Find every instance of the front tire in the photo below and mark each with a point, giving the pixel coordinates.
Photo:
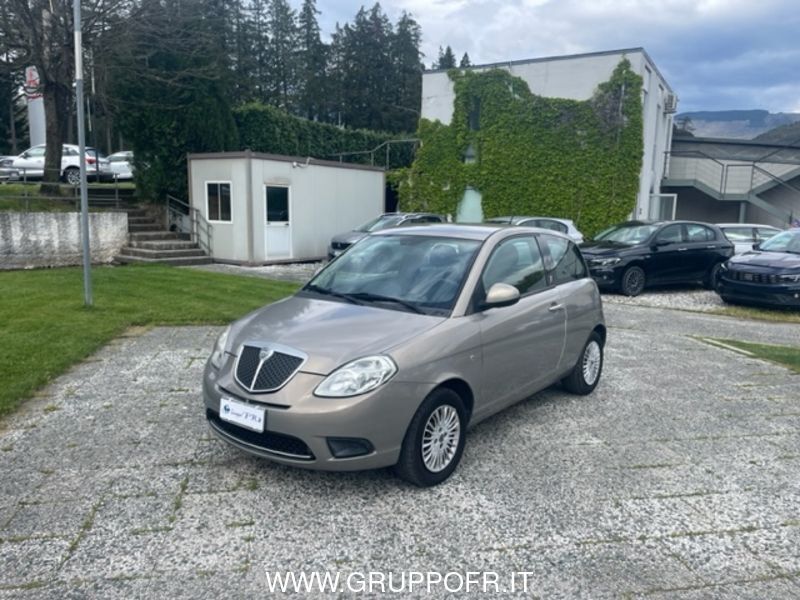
(585, 375)
(711, 282)
(434, 441)
(633, 280)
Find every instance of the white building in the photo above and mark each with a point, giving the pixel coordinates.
(263, 208)
(576, 77)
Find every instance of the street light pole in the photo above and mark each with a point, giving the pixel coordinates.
(87, 259)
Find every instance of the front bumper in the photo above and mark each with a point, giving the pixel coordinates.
(299, 424)
(777, 295)
(606, 277)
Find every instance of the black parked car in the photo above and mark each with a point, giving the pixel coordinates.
(636, 254)
(768, 275)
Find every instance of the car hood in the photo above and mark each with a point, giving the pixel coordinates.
(774, 260)
(330, 332)
(605, 248)
(350, 237)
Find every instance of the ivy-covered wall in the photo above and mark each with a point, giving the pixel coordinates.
(533, 155)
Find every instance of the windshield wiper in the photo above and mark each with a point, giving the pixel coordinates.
(369, 297)
(326, 292)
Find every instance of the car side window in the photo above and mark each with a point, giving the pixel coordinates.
(550, 224)
(564, 260)
(671, 234)
(36, 152)
(516, 261)
(739, 234)
(699, 233)
(763, 233)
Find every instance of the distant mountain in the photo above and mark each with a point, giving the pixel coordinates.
(738, 124)
(785, 134)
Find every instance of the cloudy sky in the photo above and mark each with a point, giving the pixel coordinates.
(716, 54)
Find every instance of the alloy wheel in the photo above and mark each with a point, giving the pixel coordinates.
(440, 438)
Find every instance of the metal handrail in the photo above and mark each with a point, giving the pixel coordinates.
(200, 231)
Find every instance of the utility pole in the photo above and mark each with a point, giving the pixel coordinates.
(87, 258)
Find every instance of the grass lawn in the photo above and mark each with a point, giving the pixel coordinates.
(788, 356)
(761, 314)
(45, 328)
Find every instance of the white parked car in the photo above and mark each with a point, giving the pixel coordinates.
(30, 164)
(744, 235)
(121, 164)
(565, 226)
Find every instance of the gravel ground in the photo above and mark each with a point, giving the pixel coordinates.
(696, 299)
(677, 478)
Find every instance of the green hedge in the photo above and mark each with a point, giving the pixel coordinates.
(268, 129)
(538, 156)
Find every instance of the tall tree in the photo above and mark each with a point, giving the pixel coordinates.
(312, 62)
(407, 78)
(447, 60)
(282, 53)
(464, 61)
(172, 88)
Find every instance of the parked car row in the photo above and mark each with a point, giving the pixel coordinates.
(631, 256)
(29, 166)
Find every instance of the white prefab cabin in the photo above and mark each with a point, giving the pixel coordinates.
(265, 208)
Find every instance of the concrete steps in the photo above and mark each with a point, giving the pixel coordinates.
(148, 243)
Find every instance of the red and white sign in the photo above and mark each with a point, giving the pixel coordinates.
(32, 85)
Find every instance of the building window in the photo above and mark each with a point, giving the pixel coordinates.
(277, 204)
(475, 114)
(219, 201)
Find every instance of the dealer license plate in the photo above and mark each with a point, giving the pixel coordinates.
(244, 415)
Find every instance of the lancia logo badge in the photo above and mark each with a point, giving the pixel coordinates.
(265, 353)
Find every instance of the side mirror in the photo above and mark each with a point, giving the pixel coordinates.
(501, 294)
(25, 155)
(757, 246)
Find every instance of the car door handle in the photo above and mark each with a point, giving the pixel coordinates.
(711, 247)
(682, 249)
(555, 307)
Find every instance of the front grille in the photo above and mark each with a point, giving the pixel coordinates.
(750, 277)
(269, 441)
(260, 375)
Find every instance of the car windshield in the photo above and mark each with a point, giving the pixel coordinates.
(627, 233)
(788, 241)
(412, 273)
(382, 222)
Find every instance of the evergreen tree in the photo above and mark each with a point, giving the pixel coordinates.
(447, 60)
(312, 59)
(172, 87)
(282, 53)
(464, 62)
(407, 81)
(258, 27)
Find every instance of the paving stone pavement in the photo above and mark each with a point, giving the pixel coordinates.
(677, 478)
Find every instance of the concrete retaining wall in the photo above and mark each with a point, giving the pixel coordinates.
(54, 239)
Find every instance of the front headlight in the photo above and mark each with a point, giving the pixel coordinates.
(604, 262)
(357, 377)
(219, 348)
(791, 278)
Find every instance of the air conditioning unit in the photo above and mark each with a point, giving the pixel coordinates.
(671, 104)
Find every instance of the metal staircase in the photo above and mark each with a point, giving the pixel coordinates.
(733, 181)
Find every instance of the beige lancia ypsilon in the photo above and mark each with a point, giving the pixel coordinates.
(394, 349)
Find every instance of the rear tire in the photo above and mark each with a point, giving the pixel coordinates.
(633, 280)
(586, 373)
(72, 176)
(434, 441)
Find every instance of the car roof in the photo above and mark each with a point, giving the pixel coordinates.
(748, 225)
(411, 214)
(468, 231)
